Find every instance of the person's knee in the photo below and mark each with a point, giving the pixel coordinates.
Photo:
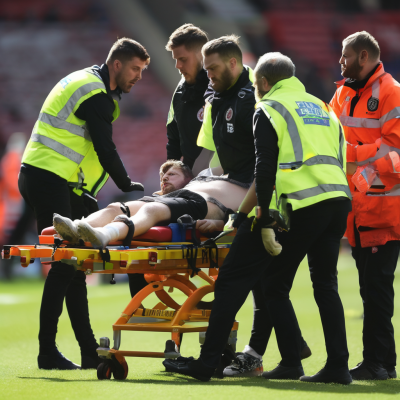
(114, 208)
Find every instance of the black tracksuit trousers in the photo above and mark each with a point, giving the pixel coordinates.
(316, 232)
(376, 276)
(63, 281)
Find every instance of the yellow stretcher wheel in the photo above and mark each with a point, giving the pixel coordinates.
(104, 370)
(119, 367)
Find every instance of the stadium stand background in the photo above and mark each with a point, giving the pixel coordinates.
(42, 41)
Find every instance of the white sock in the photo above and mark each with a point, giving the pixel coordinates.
(252, 352)
(110, 232)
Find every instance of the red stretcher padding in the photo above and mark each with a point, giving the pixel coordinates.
(154, 234)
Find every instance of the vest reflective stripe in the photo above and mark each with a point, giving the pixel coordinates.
(319, 160)
(392, 114)
(58, 147)
(316, 190)
(383, 150)
(376, 89)
(291, 125)
(360, 122)
(80, 92)
(56, 122)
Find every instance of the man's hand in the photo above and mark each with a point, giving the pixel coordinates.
(270, 244)
(351, 168)
(209, 225)
(133, 187)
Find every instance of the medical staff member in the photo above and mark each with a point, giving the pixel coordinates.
(185, 116)
(367, 102)
(67, 161)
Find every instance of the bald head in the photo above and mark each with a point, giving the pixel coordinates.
(270, 69)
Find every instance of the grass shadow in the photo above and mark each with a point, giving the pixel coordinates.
(357, 387)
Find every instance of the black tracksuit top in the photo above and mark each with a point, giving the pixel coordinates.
(188, 105)
(232, 119)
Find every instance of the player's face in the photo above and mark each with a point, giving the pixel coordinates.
(219, 72)
(128, 73)
(188, 62)
(172, 180)
(350, 63)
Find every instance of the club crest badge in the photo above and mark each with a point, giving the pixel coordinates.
(229, 114)
(200, 114)
(373, 104)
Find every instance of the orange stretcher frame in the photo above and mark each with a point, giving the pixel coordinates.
(165, 265)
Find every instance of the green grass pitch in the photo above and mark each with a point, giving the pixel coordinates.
(21, 379)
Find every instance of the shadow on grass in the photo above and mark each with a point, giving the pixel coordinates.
(386, 387)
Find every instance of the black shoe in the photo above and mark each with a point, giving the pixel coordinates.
(170, 364)
(281, 372)
(90, 362)
(244, 365)
(368, 371)
(392, 374)
(55, 360)
(305, 350)
(339, 375)
(190, 367)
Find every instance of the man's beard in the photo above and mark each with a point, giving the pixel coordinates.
(192, 79)
(259, 94)
(168, 189)
(123, 84)
(224, 81)
(353, 71)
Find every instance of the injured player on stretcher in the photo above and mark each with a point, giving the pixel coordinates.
(207, 199)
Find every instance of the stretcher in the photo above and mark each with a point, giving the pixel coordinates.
(168, 257)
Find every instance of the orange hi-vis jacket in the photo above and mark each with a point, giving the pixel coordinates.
(373, 136)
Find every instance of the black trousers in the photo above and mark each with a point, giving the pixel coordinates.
(45, 198)
(316, 232)
(376, 276)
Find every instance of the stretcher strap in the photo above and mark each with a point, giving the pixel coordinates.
(125, 209)
(131, 228)
(191, 257)
(105, 256)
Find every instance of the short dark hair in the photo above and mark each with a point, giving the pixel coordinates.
(187, 172)
(190, 36)
(125, 49)
(226, 46)
(274, 67)
(363, 40)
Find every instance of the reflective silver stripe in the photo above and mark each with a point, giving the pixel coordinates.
(360, 122)
(58, 147)
(318, 160)
(80, 92)
(375, 89)
(56, 122)
(291, 125)
(395, 113)
(341, 142)
(315, 191)
(383, 150)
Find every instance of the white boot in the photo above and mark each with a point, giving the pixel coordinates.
(66, 228)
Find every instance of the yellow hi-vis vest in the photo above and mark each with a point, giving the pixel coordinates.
(312, 152)
(60, 142)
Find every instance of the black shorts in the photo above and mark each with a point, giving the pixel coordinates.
(181, 202)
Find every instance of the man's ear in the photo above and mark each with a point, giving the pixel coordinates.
(363, 57)
(116, 65)
(232, 63)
